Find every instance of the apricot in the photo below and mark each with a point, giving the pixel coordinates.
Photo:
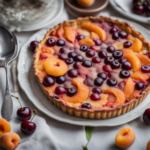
(60, 32)
(137, 44)
(125, 137)
(134, 60)
(70, 33)
(139, 75)
(120, 97)
(88, 42)
(148, 145)
(85, 3)
(82, 93)
(94, 28)
(9, 141)
(144, 59)
(46, 49)
(4, 126)
(126, 50)
(55, 67)
(94, 35)
(129, 88)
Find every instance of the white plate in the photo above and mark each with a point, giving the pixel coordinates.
(31, 88)
(40, 23)
(132, 16)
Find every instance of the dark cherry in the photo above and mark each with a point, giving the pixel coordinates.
(63, 56)
(84, 48)
(124, 74)
(102, 75)
(109, 59)
(87, 63)
(123, 34)
(86, 106)
(98, 81)
(89, 82)
(147, 11)
(62, 50)
(146, 116)
(126, 65)
(60, 43)
(33, 45)
(135, 1)
(69, 60)
(122, 60)
(127, 44)
(73, 73)
(56, 96)
(110, 24)
(96, 60)
(145, 4)
(115, 65)
(60, 79)
(117, 54)
(60, 90)
(71, 92)
(146, 68)
(113, 30)
(107, 68)
(127, 100)
(102, 54)
(97, 90)
(76, 65)
(115, 36)
(24, 113)
(48, 81)
(72, 54)
(139, 86)
(50, 42)
(79, 58)
(95, 97)
(90, 53)
(111, 82)
(121, 85)
(138, 9)
(97, 42)
(80, 37)
(110, 49)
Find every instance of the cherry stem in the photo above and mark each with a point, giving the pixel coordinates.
(140, 3)
(18, 100)
(148, 2)
(35, 112)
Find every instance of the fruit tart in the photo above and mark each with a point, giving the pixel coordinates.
(95, 68)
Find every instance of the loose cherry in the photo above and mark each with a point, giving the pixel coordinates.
(146, 116)
(33, 45)
(138, 8)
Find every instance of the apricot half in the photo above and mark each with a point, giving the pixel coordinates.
(70, 33)
(125, 137)
(60, 32)
(126, 50)
(139, 75)
(88, 42)
(82, 93)
(94, 35)
(55, 67)
(144, 59)
(4, 126)
(120, 97)
(129, 88)
(134, 60)
(85, 3)
(94, 28)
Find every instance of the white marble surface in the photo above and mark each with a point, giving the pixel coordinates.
(69, 137)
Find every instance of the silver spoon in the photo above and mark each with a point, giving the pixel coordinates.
(8, 52)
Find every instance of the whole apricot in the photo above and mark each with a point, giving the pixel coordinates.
(148, 145)
(85, 3)
(125, 137)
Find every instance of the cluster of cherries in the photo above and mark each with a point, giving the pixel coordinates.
(24, 115)
(141, 6)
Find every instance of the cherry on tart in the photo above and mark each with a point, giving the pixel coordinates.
(93, 66)
(33, 45)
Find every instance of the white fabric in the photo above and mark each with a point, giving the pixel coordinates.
(54, 135)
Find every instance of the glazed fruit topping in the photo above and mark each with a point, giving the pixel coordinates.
(72, 54)
(69, 60)
(124, 74)
(95, 97)
(109, 59)
(62, 50)
(102, 75)
(115, 36)
(139, 86)
(90, 53)
(84, 48)
(107, 68)
(127, 44)
(79, 58)
(73, 73)
(113, 30)
(117, 54)
(76, 65)
(97, 42)
(126, 65)
(123, 34)
(98, 81)
(111, 82)
(96, 60)
(86, 106)
(87, 63)
(60, 90)
(71, 92)
(97, 90)
(102, 54)
(80, 37)
(146, 68)
(115, 65)
(48, 81)
(33, 45)
(50, 42)
(110, 49)
(60, 43)
(60, 79)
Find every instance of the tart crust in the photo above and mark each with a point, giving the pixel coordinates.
(91, 114)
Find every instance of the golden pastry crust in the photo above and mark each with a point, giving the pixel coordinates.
(93, 114)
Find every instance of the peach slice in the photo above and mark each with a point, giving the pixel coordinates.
(126, 50)
(82, 94)
(125, 137)
(144, 59)
(139, 75)
(46, 49)
(94, 35)
(55, 67)
(9, 141)
(129, 88)
(120, 97)
(94, 28)
(60, 32)
(88, 42)
(134, 60)
(4, 126)
(148, 145)
(137, 44)
(70, 33)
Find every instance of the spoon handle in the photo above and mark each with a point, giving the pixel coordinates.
(7, 107)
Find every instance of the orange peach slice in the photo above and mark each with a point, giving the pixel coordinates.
(70, 33)
(60, 32)
(55, 67)
(126, 50)
(129, 88)
(148, 145)
(120, 97)
(82, 94)
(134, 60)
(9, 141)
(139, 75)
(94, 28)
(125, 137)
(4, 126)
(88, 42)
(46, 49)
(144, 59)
(94, 35)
